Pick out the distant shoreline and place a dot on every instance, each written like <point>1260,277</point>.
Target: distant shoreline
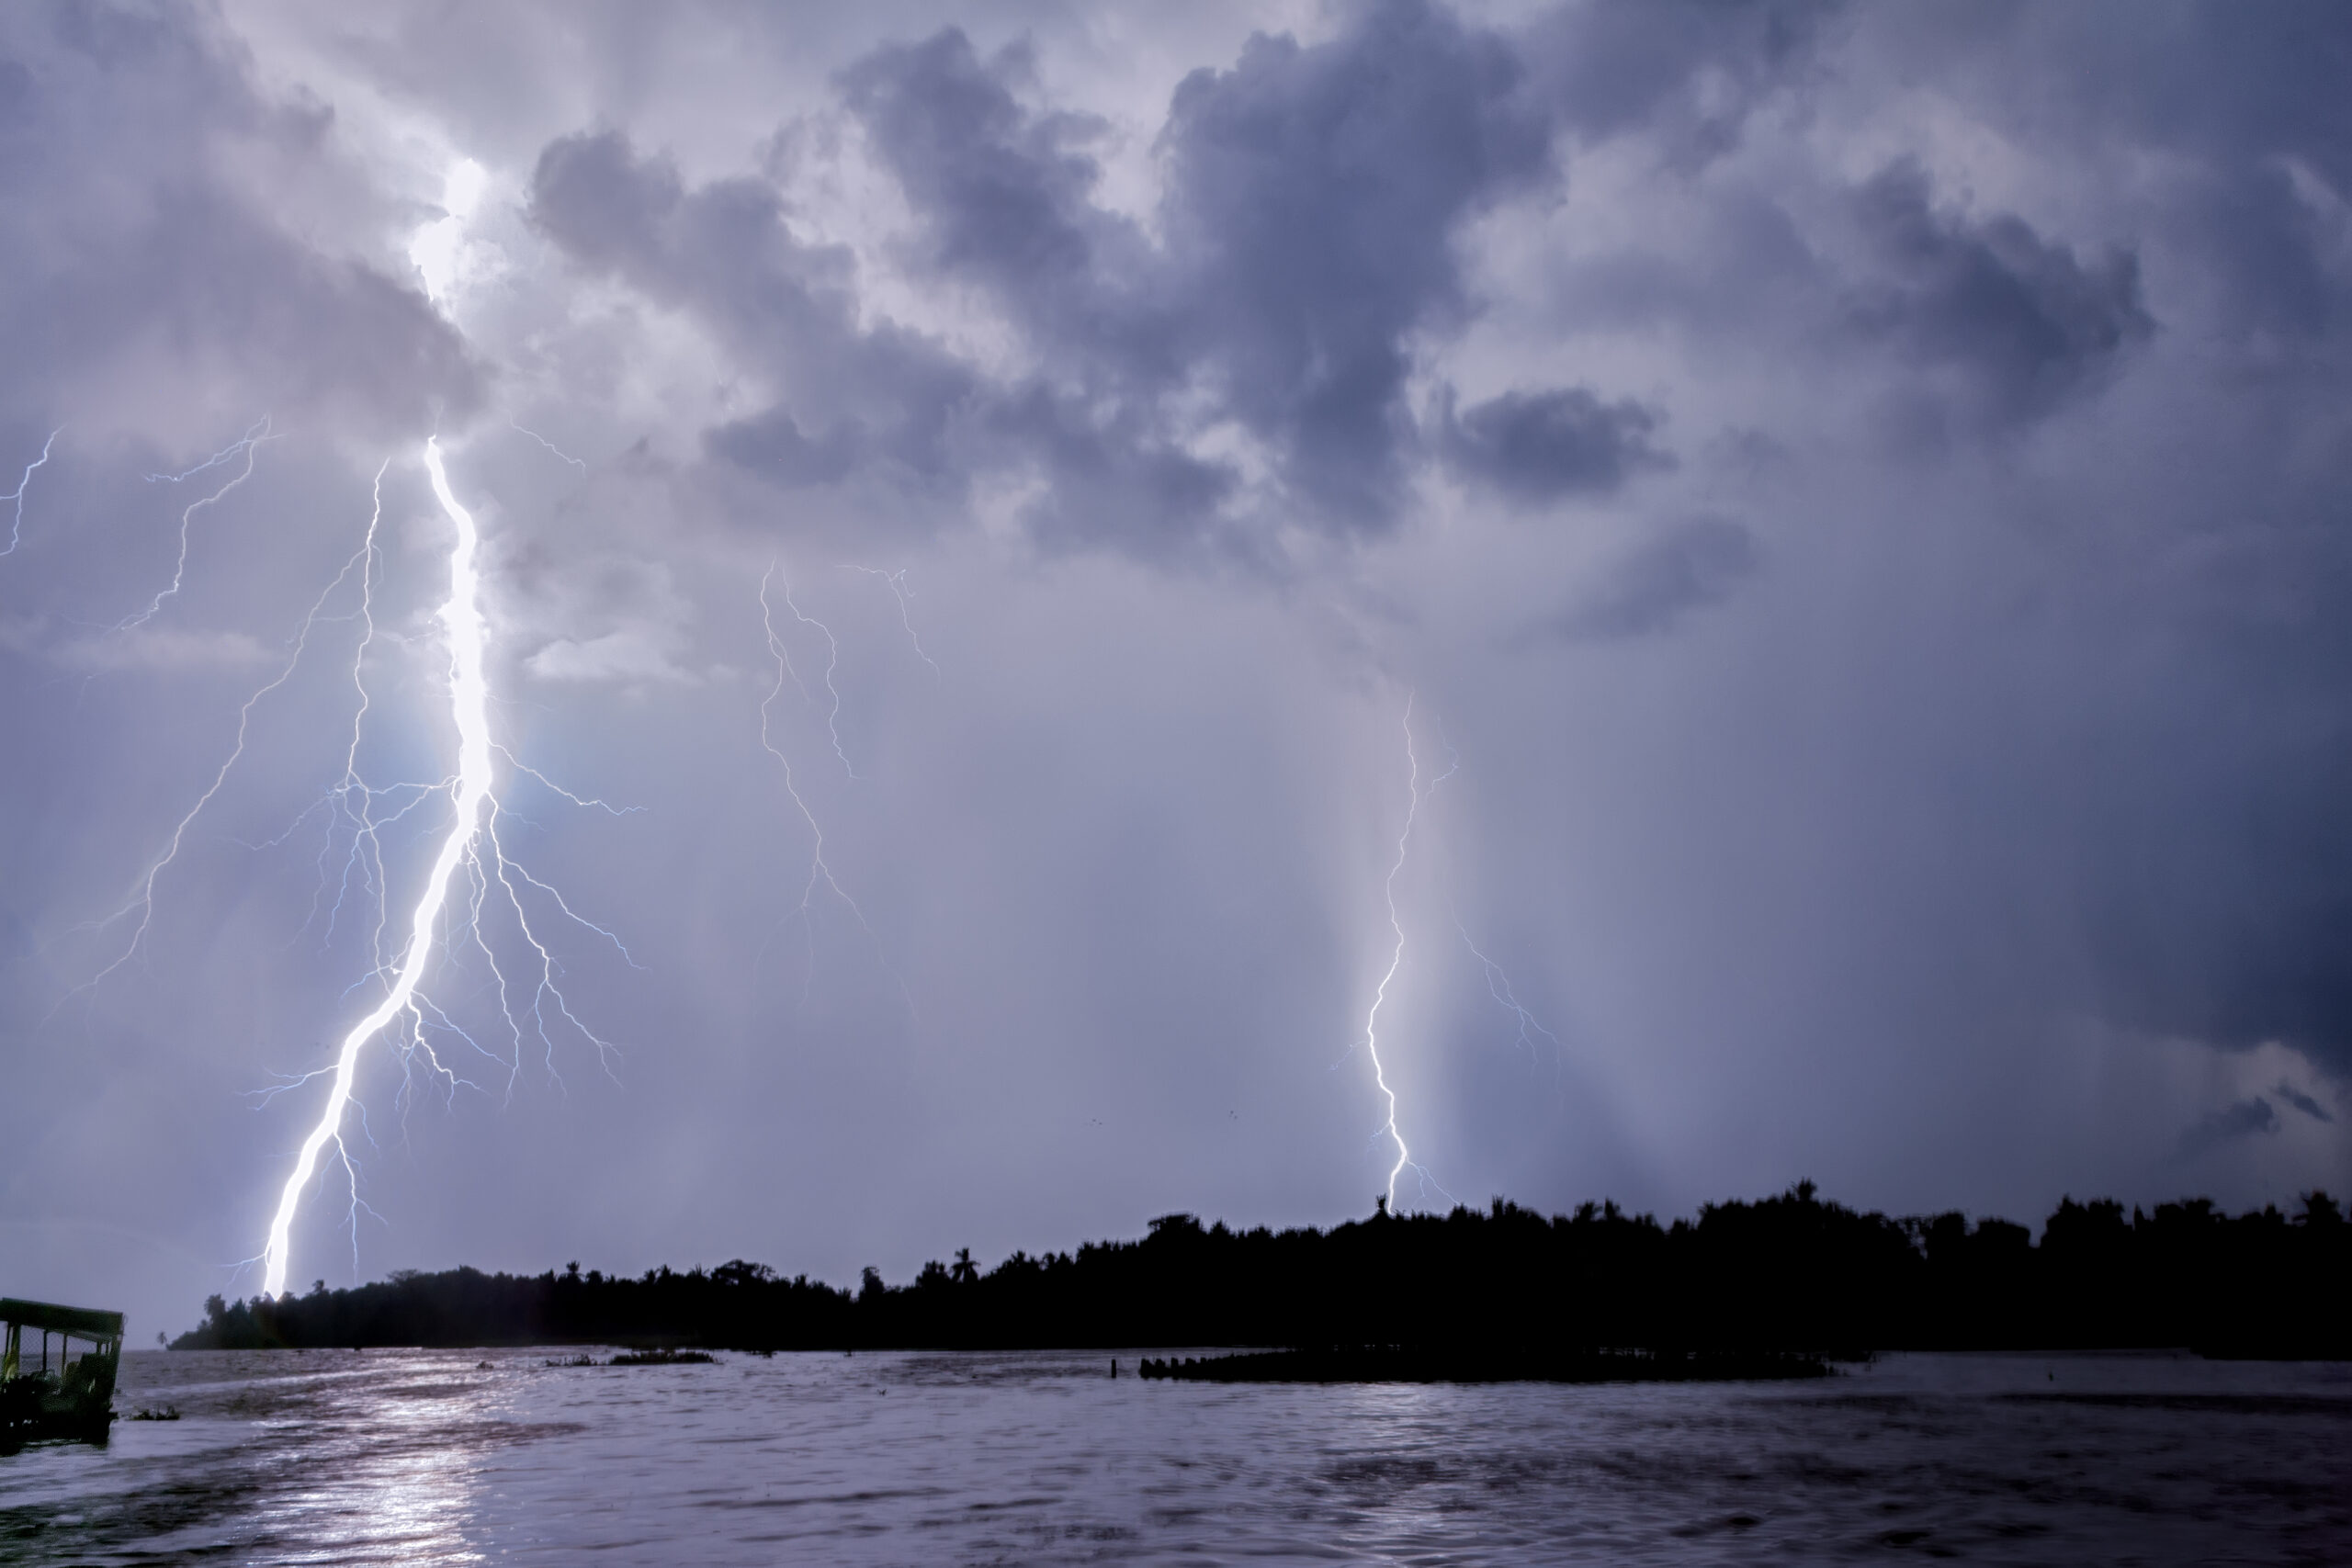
<point>1792,1276</point>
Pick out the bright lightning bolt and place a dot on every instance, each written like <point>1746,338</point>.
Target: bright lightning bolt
<point>246,444</point>
<point>472,842</point>
<point>1396,962</point>
<point>16,524</point>
<point>474,822</point>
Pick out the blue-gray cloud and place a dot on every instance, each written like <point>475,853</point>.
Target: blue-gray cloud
<point>1542,447</point>
<point>2248,1118</point>
<point>1684,567</point>
<point>2019,322</point>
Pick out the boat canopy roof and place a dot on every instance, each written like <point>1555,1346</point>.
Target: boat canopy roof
<point>85,1323</point>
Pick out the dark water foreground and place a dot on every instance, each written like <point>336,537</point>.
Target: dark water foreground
<point>432,1457</point>
<point>1473,1363</point>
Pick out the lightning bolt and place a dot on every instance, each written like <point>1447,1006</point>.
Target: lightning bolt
<point>364,839</point>
<point>473,826</point>
<point>1498,987</point>
<point>832,662</point>
<point>1396,962</point>
<point>551,447</point>
<point>901,592</point>
<point>819,874</point>
<point>16,524</point>
<point>1498,981</point>
<point>469,709</point>
<point>247,444</point>
<point>142,901</point>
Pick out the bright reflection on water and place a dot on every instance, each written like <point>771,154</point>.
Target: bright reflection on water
<point>417,1457</point>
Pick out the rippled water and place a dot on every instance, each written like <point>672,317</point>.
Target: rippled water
<point>419,1456</point>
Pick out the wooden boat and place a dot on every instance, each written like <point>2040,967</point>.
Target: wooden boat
<point>69,1395</point>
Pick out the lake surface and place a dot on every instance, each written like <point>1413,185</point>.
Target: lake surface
<point>433,1457</point>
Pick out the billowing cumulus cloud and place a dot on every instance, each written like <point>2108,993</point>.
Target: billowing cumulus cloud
<point>1850,499</point>
<point>2016,322</point>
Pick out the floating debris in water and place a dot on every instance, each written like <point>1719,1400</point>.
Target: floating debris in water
<point>659,1358</point>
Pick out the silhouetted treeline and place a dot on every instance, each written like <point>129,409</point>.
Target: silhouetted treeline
<point>1788,1273</point>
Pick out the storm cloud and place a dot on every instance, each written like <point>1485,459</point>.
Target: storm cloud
<point>1832,517</point>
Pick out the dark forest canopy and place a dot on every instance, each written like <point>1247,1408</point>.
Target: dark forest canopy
<point>1793,1272</point>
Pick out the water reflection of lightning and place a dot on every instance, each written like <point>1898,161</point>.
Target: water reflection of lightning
<point>474,824</point>
<point>16,523</point>
<point>246,444</point>
<point>1396,962</point>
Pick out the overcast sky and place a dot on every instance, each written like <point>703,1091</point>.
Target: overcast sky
<point>1842,514</point>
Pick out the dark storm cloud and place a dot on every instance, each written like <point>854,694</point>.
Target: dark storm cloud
<point>2019,321</point>
<point>1687,72</point>
<point>1006,202</point>
<point>1540,447</point>
<point>2243,941</point>
<point>2302,1101</point>
<point>2245,1119</point>
<point>1306,246</point>
<point>2239,106</point>
<point>1313,198</point>
<point>883,404</point>
<point>137,165</point>
<point>1686,568</point>
<point>887,400</point>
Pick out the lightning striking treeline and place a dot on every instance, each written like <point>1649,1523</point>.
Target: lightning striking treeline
<point>469,710</point>
<point>1499,984</point>
<point>471,843</point>
<point>1396,962</point>
<point>351,804</point>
